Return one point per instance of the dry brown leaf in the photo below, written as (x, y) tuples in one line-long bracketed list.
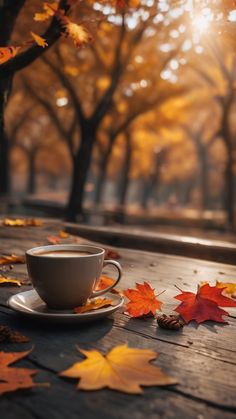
[(11, 378), (21, 222), (12, 336), (10, 259), (11, 281), (94, 304), (124, 369)]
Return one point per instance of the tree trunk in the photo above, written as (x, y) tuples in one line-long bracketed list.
[(229, 172), (124, 180), (153, 179), (81, 163), (31, 187), (103, 172), (4, 152), (229, 187), (203, 175), (123, 183), (148, 185), (9, 11)]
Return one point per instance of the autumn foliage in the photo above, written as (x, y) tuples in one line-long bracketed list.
[(12, 378), (143, 301), (204, 305)]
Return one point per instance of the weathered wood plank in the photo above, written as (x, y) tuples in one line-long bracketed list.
[(203, 358)]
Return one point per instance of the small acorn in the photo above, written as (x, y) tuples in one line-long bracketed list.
[(171, 322)]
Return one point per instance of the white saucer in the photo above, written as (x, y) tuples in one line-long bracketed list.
[(29, 303)]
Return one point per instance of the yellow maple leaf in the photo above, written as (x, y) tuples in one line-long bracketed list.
[(41, 42), (13, 281), (78, 33), (124, 369), (21, 222), (94, 304), (49, 10)]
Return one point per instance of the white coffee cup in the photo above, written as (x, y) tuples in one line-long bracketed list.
[(65, 275)]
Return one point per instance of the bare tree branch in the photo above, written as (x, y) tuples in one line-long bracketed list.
[(51, 111), (116, 72), (68, 85)]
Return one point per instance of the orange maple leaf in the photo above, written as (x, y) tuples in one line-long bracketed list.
[(49, 10), (94, 304), (41, 42), (12, 379), (9, 259), (104, 282), (124, 369), (142, 300), (204, 305), (6, 53)]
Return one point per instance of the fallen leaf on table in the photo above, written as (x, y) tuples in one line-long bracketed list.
[(63, 234), (12, 379), (12, 336), (204, 305), (22, 222), (12, 281), (112, 254), (142, 300), (9, 259), (94, 304), (105, 282), (229, 287), (124, 369), (53, 239)]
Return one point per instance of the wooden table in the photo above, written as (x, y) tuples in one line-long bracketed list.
[(202, 358)]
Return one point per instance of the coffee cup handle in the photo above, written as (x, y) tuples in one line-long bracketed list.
[(119, 269)]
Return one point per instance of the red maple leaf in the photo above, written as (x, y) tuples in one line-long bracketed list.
[(142, 300), (204, 305)]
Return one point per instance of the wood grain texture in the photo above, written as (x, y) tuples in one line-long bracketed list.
[(203, 358)]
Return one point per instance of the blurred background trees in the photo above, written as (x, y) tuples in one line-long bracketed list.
[(140, 118)]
